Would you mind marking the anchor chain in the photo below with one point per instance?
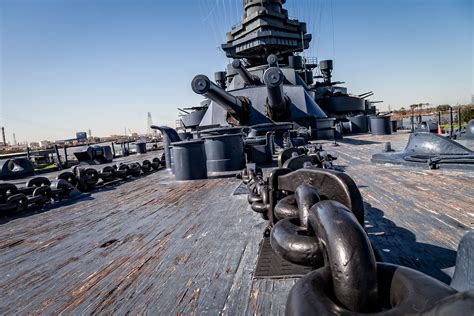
(327, 236)
(269, 197)
(39, 191)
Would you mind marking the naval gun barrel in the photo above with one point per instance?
(273, 78)
(202, 85)
(243, 72)
(366, 95)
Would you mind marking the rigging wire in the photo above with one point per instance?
(333, 42)
(320, 26)
(207, 19)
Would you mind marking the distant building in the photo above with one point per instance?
(81, 136)
(472, 98)
(34, 145)
(45, 143)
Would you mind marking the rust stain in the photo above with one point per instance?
(95, 277)
(194, 297)
(54, 242)
(10, 244)
(182, 259)
(183, 295)
(176, 195)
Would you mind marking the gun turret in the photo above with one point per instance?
(243, 72)
(277, 102)
(237, 107)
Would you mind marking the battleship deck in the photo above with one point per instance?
(155, 244)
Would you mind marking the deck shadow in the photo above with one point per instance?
(356, 142)
(398, 245)
(222, 176)
(341, 168)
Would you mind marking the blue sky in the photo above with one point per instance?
(71, 65)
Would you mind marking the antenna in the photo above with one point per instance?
(149, 123)
(3, 137)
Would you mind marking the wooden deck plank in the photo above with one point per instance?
(159, 246)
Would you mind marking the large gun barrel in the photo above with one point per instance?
(243, 72)
(202, 85)
(273, 78)
(366, 95)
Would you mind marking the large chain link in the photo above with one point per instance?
(39, 191)
(351, 282)
(316, 218)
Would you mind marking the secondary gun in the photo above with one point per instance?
(244, 73)
(237, 108)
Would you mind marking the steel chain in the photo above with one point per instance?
(39, 191)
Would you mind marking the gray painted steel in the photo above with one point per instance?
(302, 107)
(140, 148)
(189, 160)
(185, 135)
(359, 124)
(427, 149)
(15, 168)
(169, 136)
(324, 129)
(266, 29)
(224, 152)
(193, 119)
(394, 126)
(259, 149)
(342, 104)
(171, 160)
(470, 129)
(380, 125)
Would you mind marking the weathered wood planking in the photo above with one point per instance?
(415, 216)
(164, 247)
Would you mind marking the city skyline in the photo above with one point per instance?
(73, 66)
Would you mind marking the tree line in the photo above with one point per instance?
(467, 110)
